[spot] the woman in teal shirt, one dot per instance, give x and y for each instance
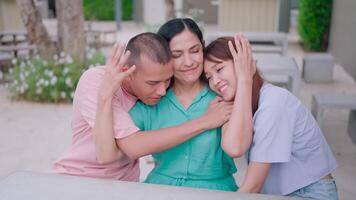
(201, 161)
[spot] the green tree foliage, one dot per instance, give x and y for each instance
(314, 22)
(104, 10)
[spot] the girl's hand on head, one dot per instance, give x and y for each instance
(244, 64)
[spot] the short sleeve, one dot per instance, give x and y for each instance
(273, 134)
(139, 115)
(87, 96)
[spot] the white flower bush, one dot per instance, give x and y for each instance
(35, 79)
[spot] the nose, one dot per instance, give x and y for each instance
(161, 90)
(188, 61)
(215, 80)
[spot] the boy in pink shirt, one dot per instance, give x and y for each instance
(143, 72)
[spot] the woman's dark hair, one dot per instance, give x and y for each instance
(175, 26)
(219, 50)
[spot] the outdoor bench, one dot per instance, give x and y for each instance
(262, 42)
(336, 100)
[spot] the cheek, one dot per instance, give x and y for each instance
(151, 89)
(211, 85)
(176, 63)
(199, 58)
(229, 76)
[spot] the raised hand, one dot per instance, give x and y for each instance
(116, 70)
(244, 64)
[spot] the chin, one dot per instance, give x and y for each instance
(151, 102)
(227, 97)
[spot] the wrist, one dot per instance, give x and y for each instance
(203, 123)
(105, 96)
(244, 84)
(245, 80)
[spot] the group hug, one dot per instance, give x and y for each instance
(195, 107)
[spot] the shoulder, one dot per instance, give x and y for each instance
(277, 97)
(91, 78)
(94, 73)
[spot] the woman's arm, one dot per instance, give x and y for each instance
(237, 134)
(255, 177)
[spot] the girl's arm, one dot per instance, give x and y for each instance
(255, 177)
(237, 134)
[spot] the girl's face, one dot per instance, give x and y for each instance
(222, 78)
(187, 52)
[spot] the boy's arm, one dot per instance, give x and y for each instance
(147, 142)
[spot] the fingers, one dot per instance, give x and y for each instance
(123, 59)
(118, 55)
(217, 99)
(243, 47)
(237, 39)
(226, 103)
(243, 44)
(112, 54)
(232, 50)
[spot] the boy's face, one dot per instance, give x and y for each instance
(150, 81)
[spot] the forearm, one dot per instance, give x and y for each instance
(245, 188)
(255, 177)
(237, 135)
(106, 148)
(148, 142)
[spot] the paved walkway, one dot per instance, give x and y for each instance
(33, 135)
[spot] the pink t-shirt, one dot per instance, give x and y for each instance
(80, 159)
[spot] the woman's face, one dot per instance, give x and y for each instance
(187, 52)
(222, 78)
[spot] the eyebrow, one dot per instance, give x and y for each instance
(214, 66)
(197, 45)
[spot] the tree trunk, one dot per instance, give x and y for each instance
(170, 14)
(71, 36)
(36, 30)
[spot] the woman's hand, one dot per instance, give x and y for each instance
(244, 64)
(218, 113)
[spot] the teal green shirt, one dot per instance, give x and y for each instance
(198, 162)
